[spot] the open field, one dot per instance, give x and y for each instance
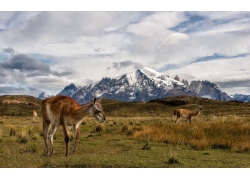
(135, 134)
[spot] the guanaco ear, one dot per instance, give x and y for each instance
(94, 100)
(100, 99)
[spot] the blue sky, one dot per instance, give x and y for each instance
(45, 51)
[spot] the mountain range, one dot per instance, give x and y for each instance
(144, 85)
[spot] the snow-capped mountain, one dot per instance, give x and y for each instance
(209, 90)
(69, 90)
(141, 85)
(241, 97)
(44, 95)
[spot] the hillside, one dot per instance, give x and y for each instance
(23, 105)
(19, 105)
(165, 107)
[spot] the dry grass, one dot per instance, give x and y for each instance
(232, 136)
(135, 135)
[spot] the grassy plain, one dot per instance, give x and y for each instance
(140, 135)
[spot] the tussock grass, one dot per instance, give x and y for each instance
(231, 136)
(23, 137)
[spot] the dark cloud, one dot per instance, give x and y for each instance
(2, 74)
(24, 63)
(30, 66)
(124, 64)
(9, 50)
(61, 74)
(12, 90)
(98, 49)
(219, 56)
(232, 84)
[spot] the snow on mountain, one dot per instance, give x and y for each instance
(141, 85)
(45, 95)
(69, 90)
(241, 97)
(144, 85)
(209, 90)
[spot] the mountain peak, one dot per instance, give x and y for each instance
(44, 95)
(150, 72)
(143, 85)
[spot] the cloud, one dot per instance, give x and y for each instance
(124, 64)
(10, 89)
(10, 20)
(24, 63)
(9, 50)
(28, 65)
(67, 47)
(233, 84)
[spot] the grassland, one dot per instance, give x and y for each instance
(140, 135)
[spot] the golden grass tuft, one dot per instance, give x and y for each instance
(232, 136)
(23, 137)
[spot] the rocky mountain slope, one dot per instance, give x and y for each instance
(209, 90)
(144, 85)
(241, 97)
(141, 85)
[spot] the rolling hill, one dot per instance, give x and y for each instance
(20, 105)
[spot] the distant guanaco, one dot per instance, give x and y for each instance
(186, 113)
(34, 115)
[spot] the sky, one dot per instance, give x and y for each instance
(47, 50)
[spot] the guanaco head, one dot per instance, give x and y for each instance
(97, 111)
(200, 108)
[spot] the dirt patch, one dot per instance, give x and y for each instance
(13, 101)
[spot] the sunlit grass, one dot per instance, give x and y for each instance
(147, 141)
(233, 136)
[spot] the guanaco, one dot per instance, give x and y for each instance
(34, 115)
(186, 113)
(64, 110)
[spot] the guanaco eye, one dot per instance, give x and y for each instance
(97, 111)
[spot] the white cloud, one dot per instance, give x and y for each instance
(219, 71)
(89, 43)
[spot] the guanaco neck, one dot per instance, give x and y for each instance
(84, 110)
(197, 113)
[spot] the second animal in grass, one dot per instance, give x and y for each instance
(186, 113)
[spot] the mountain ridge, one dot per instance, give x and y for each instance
(144, 84)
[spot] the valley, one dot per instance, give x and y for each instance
(135, 134)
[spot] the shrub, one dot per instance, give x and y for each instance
(124, 128)
(173, 160)
(12, 132)
(130, 132)
(23, 139)
(99, 128)
(35, 137)
(31, 148)
(146, 146)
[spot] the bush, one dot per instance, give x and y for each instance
(173, 160)
(32, 148)
(124, 128)
(146, 146)
(35, 137)
(23, 139)
(130, 132)
(99, 128)
(12, 132)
